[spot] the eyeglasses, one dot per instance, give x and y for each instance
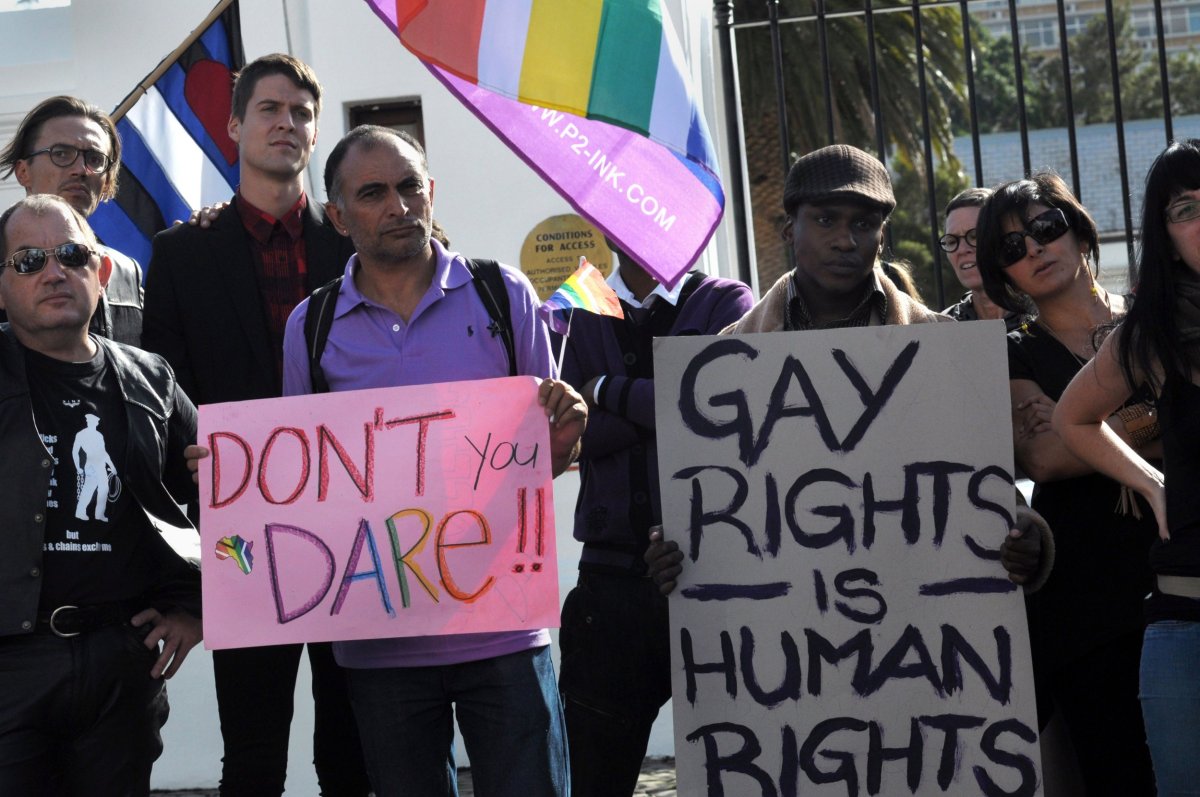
(31, 261)
(1185, 210)
(949, 242)
(64, 155)
(1043, 228)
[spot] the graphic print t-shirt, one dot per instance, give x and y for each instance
(95, 547)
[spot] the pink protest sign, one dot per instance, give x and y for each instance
(377, 513)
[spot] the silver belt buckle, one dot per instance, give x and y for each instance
(54, 630)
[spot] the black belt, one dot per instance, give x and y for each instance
(611, 560)
(69, 621)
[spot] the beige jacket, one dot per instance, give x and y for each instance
(768, 314)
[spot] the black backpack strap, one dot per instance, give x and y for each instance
(489, 284)
(317, 323)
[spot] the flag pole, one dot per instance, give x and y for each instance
(562, 346)
(287, 26)
(313, 182)
(166, 63)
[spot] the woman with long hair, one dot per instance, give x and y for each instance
(1037, 244)
(1159, 343)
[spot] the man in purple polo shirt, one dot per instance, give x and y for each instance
(407, 314)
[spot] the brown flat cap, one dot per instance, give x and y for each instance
(838, 171)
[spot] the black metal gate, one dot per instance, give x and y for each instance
(934, 90)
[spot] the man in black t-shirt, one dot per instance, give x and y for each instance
(92, 453)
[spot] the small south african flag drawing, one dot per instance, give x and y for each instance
(238, 550)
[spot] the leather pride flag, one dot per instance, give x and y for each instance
(595, 96)
(176, 156)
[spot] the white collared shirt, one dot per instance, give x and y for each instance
(624, 294)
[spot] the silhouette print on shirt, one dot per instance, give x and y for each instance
(93, 471)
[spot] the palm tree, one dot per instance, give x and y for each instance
(849, 49)
(850, 75)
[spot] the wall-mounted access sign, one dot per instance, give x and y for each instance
(551, 251)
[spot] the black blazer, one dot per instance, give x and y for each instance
(204, 312)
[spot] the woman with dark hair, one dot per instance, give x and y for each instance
(1159, 343)
(962, 214)
(1037, 243)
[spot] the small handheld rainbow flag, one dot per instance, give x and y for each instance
(583, 290)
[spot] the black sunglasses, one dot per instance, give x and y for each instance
(31, 261)
(63, 155)
(949, 241)
(1043, 228)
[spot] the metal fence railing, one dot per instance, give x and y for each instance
(934, 87)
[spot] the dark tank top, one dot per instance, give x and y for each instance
(1097, 588)
(1179, 408)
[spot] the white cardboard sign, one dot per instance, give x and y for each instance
(843, 625)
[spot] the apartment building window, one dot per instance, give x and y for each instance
(1143, 24)
(1177, 21)
(1039, 34)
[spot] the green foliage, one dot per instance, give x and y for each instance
(1091, 74)
(1091, 79)
(1141, 97)
(995, 85)
(893, 44)
(849, 53)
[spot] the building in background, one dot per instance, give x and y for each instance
(1037, 21)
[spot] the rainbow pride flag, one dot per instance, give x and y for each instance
(594, 96)
(586, 290)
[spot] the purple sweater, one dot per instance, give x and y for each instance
(618, 466)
